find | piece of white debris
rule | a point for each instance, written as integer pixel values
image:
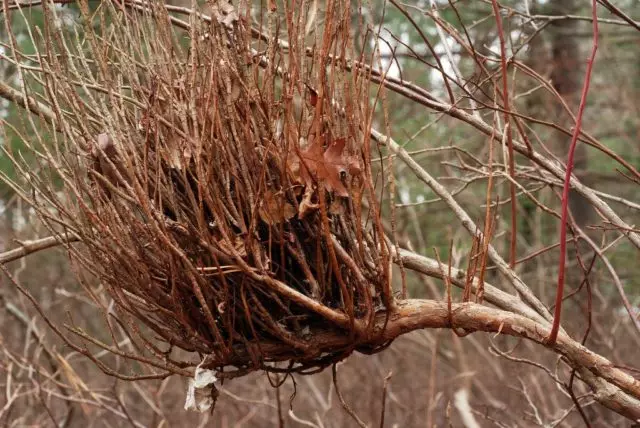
(201, 393)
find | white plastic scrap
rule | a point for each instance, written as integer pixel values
(201, 392)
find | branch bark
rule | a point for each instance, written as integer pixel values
(612, 387)
(30, 247)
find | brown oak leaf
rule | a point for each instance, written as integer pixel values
(275, 209)
(327, 167)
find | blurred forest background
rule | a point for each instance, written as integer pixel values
(428, 377)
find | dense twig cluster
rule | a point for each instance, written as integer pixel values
(213, 169)
(218, 186)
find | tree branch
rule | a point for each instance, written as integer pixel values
(465, 220)
(30, 247)
(613, 388)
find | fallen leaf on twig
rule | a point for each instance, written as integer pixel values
(275, 209)
(306, 206)
(329, 166)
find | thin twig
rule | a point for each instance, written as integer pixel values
(567, 181)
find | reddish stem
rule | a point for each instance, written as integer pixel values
(567, 178)
(507, 129)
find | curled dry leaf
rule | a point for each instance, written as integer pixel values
(106, 161)
(307, 205)
(312, 98)
(104, 144)
(275, 209)
(238, 247)
(235, 89)
(327, 167)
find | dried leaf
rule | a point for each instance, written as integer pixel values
(174, 158)
(76, 382)
(336, 208)
(326, 166)
(237, 248)
(204, 378)
(313, 95)
(275, 209)
(106, 160)
(306, 206)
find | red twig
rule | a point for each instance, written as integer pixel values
(507, 129)
(565, 191)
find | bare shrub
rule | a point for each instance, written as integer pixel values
(227, 176)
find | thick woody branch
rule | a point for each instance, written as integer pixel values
(35, 107)
(619, 392)
(492, 294)
(612, 387)
(33, 246)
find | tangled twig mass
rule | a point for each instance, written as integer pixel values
(218, 173)
(218, 191)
